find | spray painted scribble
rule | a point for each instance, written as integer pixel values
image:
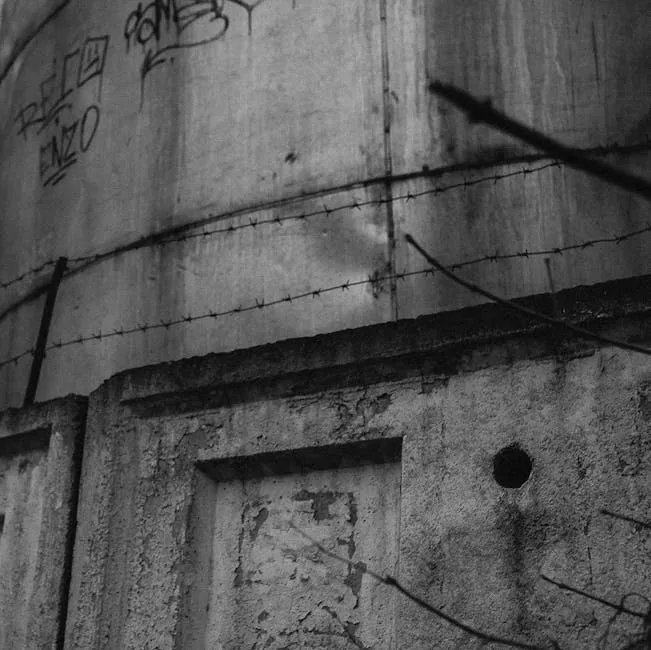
(68, 128)
(163, 27)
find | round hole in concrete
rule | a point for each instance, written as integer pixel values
(512, 466)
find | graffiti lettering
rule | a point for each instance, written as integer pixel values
(54, 110)
(88, 132)
(60, 151)
(162, 27)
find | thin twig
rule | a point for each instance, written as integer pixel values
(607, 603)
(625, 518)
(524, 310)
(392, 582)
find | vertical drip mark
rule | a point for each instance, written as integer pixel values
(388, 165)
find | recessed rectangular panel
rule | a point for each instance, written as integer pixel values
(22, 483)
(272, 587)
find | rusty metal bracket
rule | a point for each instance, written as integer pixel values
(41, 341)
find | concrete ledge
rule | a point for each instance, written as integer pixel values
(441, 345)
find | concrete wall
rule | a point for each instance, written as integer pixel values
(278, 109)
(40, 452)
(381, 445)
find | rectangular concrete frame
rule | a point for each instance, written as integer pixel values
(40, 453)
(455, 389)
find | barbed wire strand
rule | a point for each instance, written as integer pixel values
(35, 271)
(358, 205)
(524, 310)
(260, 304)
(390, 581)
(557, 250)
(178, 233)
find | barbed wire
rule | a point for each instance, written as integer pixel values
(355, 205)
(164, 238)
(180, 233)
(494, 257)
(22, 276)
(315, 293)
(616, 238)
(260, 304)
(15, 359)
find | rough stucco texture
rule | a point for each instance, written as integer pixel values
(311, 109)
(168, 558)
(37, 448)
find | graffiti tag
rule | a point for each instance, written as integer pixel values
(64, 130)
(162, 27)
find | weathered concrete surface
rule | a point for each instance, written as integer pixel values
(570, 69)
(272, 589)
(303, 109)
(147, 566)
(184, 527)
(40, 450)
(256, 124)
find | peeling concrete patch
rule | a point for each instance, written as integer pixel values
(259, 520)
(320, 502)
(286, 593)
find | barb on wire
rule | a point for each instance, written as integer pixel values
(15, 359)
(392, 582)
(620, 608)
(22, 276)
(524, 310)
(483, 111)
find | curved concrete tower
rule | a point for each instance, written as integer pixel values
(227, 173)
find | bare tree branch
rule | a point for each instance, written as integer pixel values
(392, 582)
(524, 310)
(483, 111)
(619, 608)
(625, 518)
